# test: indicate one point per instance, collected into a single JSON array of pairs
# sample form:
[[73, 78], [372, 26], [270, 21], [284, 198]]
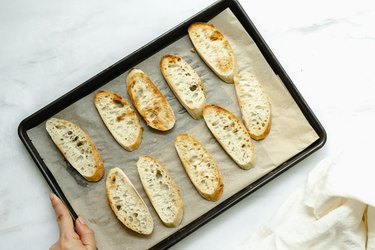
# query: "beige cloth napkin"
[[335, 209]]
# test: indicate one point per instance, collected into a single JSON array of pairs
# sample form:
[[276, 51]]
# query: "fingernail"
[[51, 196], [80, 219]]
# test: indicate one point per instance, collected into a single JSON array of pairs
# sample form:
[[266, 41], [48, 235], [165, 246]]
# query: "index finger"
[[63, 218]]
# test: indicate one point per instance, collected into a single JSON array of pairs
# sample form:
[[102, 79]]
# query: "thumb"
[[85, 233]]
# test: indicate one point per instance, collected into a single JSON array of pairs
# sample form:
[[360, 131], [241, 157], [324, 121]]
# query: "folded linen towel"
[[335, 209]]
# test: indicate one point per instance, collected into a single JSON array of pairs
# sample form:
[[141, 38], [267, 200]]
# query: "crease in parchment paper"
[[290, 134]]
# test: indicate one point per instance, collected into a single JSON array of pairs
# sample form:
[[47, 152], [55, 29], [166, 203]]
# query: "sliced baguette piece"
[[232, 135], [149, 101], [254, 103], [185, 84], [120, 119], [200, 167], [161, 190], [214, 49], [77, 148], [127, 204]]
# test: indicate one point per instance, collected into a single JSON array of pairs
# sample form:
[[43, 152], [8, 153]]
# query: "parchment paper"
[[290, 134]]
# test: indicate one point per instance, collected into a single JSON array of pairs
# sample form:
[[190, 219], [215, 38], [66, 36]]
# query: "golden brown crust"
[[225, 67], [98, 175], [266, 131], [174, 58], [119, 99], [197, 24], [99, 172], [159, 115], [220, 109], [219, 189]]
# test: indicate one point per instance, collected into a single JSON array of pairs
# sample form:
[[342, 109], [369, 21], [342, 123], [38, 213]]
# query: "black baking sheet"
[[122, 66]]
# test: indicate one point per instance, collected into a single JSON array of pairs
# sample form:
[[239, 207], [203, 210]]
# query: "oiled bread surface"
[[127, 204], [214, 49], [77, 148], [254, 103], [200, 167], [149, 101], [120, 119], [185, 83], [161, 190], [232, 135]]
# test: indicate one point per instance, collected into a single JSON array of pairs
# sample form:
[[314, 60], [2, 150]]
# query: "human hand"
[[82, 238]]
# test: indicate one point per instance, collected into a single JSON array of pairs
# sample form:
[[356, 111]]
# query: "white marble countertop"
[[49, 47]]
